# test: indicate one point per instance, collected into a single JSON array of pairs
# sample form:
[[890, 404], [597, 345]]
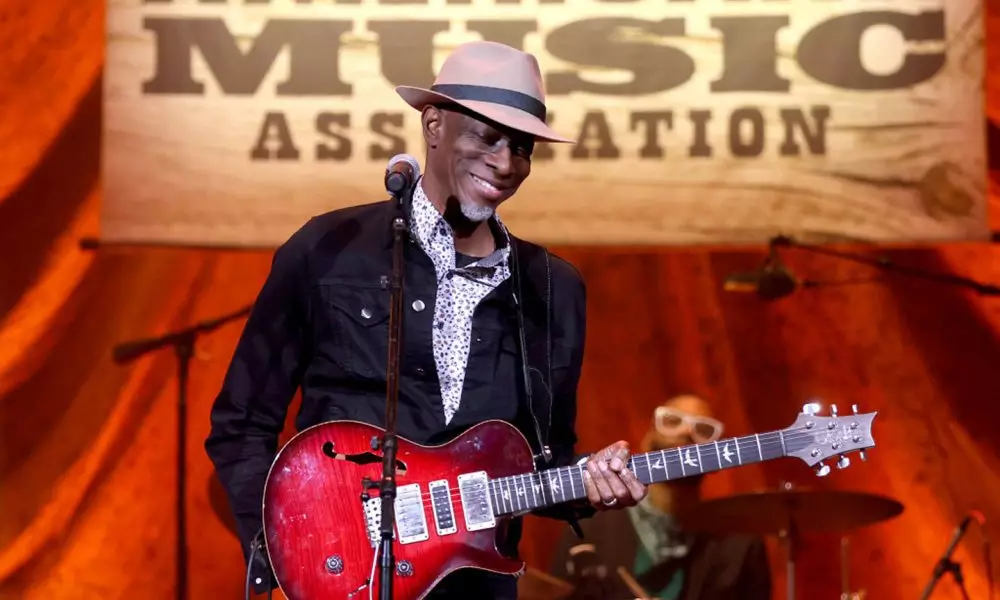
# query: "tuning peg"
[[843, 462], [862, 455], [822, 470], [854, 407], [811, 409], [833, 410]]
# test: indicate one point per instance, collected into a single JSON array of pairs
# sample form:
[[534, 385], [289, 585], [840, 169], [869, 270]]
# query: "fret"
[[493, 497], [707, 466], [649, 470], [747, 446], [536, 489], [680, 460], [718, 457], [774, 446], [760, 453], [554, 487], [673, 467], [782, 436], [572, 484]]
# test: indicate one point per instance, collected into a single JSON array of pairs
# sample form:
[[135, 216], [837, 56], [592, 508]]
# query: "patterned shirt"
[[460, 289], [657, 531]]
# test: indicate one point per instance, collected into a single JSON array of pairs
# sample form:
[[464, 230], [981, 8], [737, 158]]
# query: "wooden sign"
[[698, 122]]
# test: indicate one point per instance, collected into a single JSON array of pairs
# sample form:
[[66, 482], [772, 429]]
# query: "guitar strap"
[[526, 359]]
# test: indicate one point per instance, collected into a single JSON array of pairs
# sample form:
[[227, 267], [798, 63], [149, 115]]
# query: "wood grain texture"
[[903, 164]]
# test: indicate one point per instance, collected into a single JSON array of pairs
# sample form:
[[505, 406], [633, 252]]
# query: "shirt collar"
[[433, 233]]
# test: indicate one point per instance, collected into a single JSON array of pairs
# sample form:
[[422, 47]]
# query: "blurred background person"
[[647, 542]]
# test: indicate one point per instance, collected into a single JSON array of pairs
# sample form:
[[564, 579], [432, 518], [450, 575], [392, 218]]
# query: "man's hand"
[[609, 484]]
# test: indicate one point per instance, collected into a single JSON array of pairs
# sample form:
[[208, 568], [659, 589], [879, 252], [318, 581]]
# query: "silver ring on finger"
[[611, 502]]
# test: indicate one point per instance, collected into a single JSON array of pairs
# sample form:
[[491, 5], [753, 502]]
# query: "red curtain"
[[87, 461]]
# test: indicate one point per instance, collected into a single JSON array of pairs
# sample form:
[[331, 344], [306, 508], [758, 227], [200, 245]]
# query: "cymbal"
[[537, 585], [774, 512]]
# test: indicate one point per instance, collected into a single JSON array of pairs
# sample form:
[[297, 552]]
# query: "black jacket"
[[307, 330]]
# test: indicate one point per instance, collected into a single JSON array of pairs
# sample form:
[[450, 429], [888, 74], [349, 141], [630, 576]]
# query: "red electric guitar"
[[322, 507]]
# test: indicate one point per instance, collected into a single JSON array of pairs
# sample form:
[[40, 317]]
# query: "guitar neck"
[[529, 491]]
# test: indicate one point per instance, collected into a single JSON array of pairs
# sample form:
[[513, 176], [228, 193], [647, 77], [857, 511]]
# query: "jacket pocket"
[[358, 317]]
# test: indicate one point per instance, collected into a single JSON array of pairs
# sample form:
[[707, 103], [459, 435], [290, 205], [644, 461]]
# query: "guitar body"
[[319, 535]]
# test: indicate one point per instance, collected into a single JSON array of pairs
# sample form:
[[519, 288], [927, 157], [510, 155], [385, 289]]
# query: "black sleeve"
[[570, 310], [249, 413]]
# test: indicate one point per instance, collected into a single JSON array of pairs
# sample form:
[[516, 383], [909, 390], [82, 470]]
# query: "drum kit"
[[786, 513]]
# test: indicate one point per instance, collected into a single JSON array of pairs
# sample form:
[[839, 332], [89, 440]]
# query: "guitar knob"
[[335, 565], [844, 462], [404, 568], [822, 470]]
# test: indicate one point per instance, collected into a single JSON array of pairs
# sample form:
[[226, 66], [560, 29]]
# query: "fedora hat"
[[496, 81]]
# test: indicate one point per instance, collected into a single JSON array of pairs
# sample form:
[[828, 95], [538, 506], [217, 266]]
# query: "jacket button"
[[418, 305], [420, 371], [365, 313]]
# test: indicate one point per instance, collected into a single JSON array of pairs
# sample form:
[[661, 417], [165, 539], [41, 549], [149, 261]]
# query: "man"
[[320, 322], [658, 558]]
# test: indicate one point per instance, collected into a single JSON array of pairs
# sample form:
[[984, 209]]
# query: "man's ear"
[[432, 121]]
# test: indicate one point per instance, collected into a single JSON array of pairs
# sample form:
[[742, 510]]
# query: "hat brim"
[[508, 116]]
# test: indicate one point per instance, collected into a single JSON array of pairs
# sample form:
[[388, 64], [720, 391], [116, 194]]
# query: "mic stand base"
[[946, 566]]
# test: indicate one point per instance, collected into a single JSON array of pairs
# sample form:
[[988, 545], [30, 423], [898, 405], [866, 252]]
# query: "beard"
[[474, 212]]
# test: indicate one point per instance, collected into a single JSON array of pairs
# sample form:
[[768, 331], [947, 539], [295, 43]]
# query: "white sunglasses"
[[703, 429]]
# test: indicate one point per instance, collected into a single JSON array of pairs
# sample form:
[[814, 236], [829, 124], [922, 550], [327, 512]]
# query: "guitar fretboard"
[[530, 491]]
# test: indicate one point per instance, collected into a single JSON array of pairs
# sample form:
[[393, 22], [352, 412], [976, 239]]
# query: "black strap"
[[481, 93]]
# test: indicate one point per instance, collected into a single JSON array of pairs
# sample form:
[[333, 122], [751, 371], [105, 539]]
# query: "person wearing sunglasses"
[[641, 551]]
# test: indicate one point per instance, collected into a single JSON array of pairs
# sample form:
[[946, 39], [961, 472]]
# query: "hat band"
[[482, 93]]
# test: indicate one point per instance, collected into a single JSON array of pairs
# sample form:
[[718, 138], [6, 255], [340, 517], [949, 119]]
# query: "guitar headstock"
[[815, 438]]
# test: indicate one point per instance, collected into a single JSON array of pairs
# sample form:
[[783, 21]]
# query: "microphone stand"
[[946, 565], [388, 444], [183, 343], [887, 265]]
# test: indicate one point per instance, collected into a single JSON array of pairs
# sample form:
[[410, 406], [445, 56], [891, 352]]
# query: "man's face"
[[475, 163]]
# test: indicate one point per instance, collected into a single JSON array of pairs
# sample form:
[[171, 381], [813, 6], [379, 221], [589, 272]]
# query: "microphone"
[[401, 173], [770, 282]]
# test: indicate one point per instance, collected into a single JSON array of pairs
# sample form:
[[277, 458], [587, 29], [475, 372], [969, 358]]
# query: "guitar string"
[[670, 456]]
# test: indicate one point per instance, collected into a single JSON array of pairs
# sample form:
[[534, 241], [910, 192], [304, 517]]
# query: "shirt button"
[[365, 313], [418, 305], [420, 371]]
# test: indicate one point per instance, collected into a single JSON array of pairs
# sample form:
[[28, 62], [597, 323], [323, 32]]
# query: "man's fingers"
[[619, 458], [598, 478], [635, 487]]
